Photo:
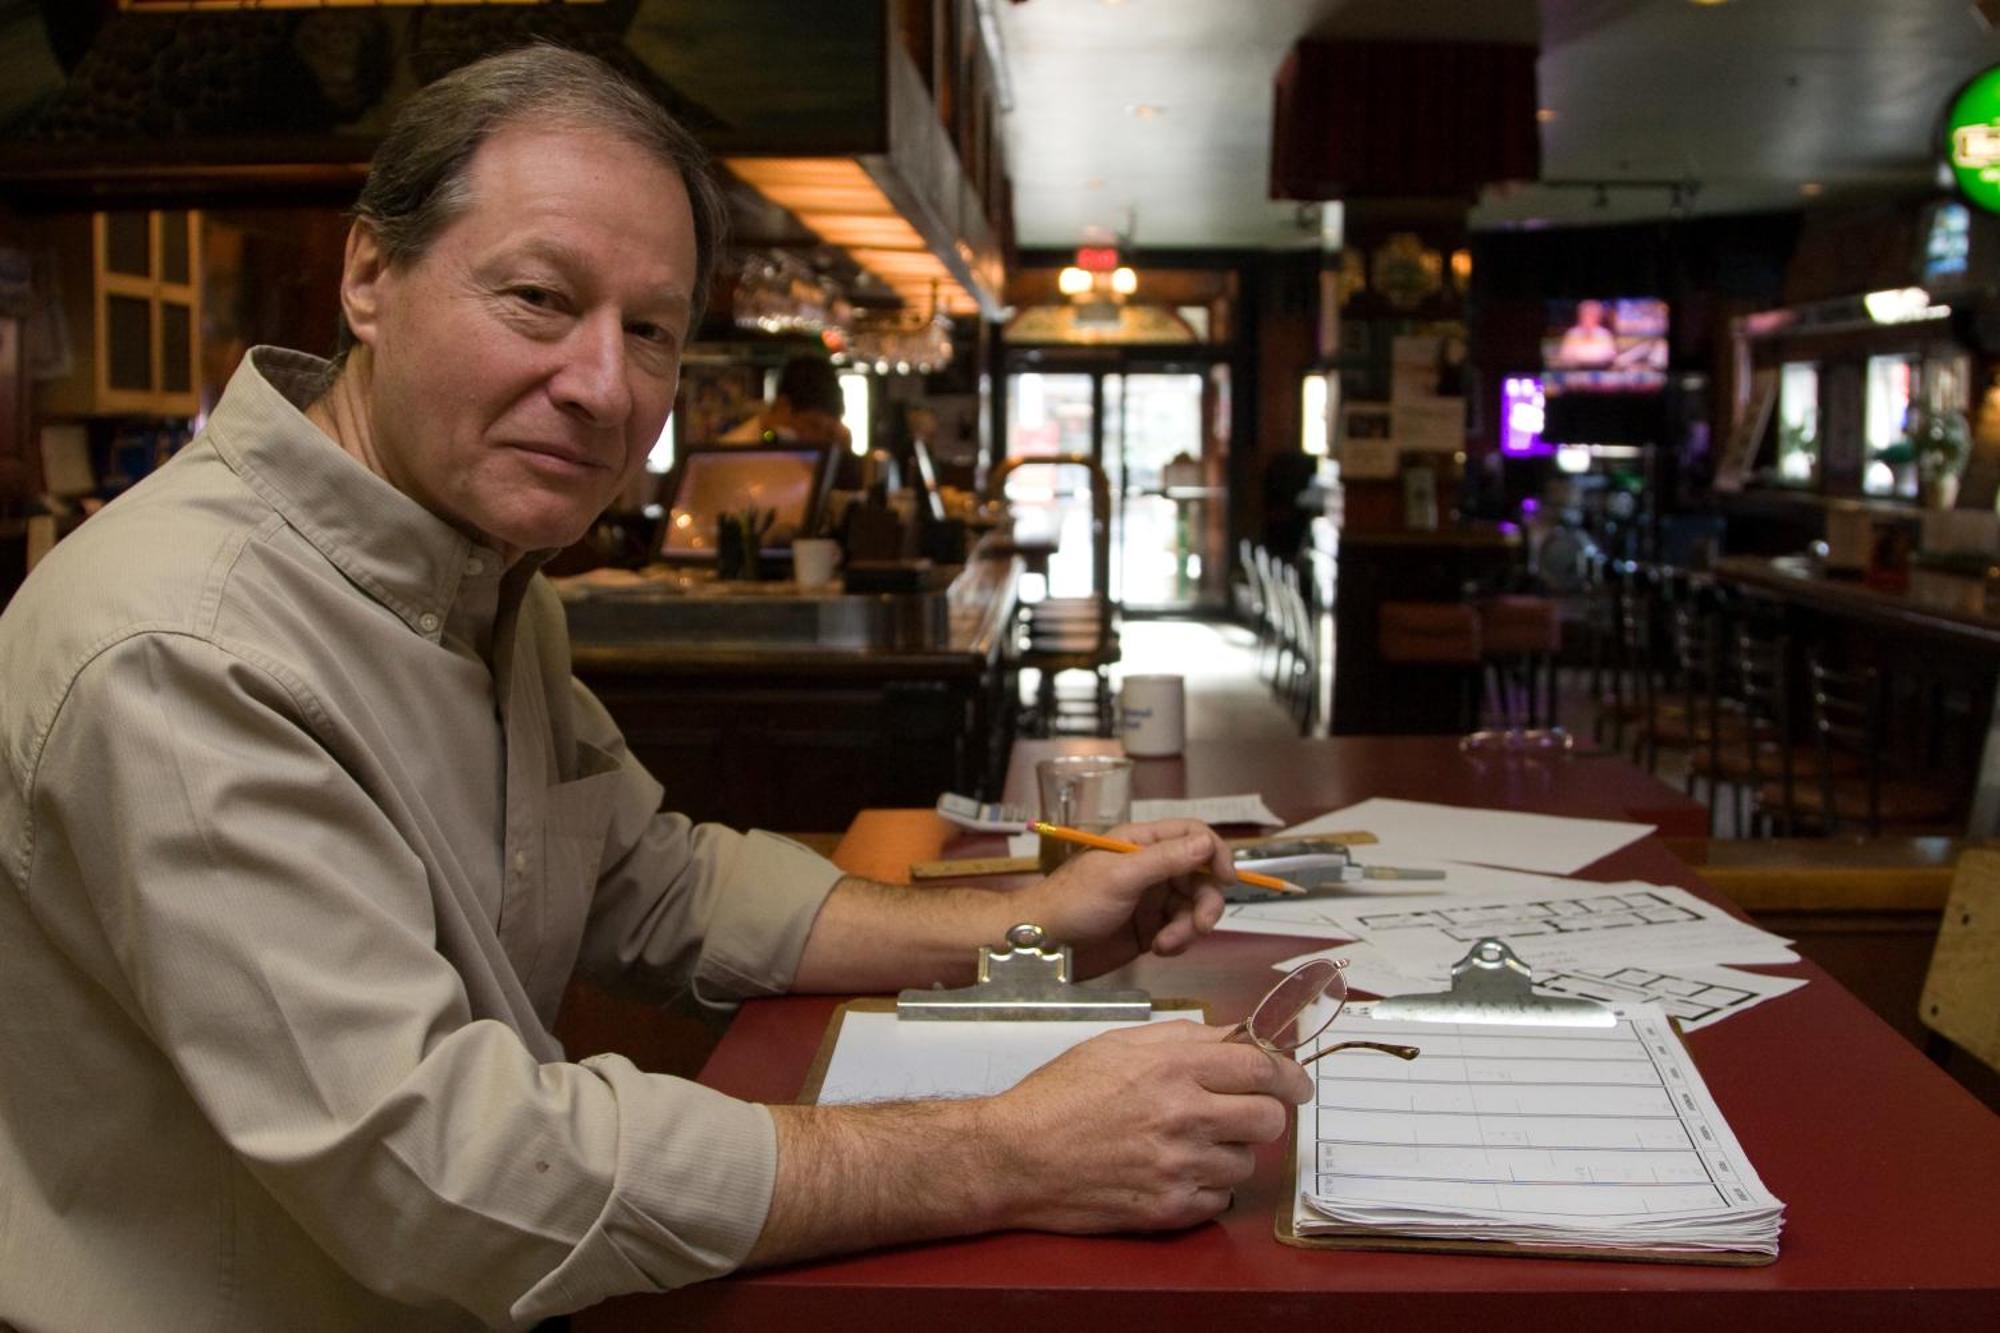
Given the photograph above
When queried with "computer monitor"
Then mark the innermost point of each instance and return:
(712, 480)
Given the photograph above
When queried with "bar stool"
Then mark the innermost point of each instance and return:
(1701, 718)
(1766, 766)
(1848, 706)
(1519, 639)
(1435, 636)
(1077, 635)
(1623, 668)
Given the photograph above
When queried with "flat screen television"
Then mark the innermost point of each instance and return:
(1605, 345)
(712, 480)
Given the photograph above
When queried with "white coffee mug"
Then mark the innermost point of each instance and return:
(814, 560)
(1153, 710)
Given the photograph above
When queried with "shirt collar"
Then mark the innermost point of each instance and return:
(407, 558)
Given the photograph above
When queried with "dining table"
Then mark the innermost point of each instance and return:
(1889, 1170)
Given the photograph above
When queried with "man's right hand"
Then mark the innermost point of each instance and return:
(1141, 1129)
(1144, 1128)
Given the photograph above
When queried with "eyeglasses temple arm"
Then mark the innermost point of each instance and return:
(1400, 1052)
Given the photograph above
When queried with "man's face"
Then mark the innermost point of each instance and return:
(524, 365)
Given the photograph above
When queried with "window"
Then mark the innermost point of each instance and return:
(1798, 423)
(1890, 467)
(854, 389)
(660, 458)
(1313, 415)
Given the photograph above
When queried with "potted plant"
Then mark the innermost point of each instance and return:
(1940, 440)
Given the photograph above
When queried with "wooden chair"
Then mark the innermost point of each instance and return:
(1299, 689)
(1961, 998)
(1519, 640)
(1441, 638)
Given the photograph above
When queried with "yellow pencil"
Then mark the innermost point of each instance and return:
(1104, 844)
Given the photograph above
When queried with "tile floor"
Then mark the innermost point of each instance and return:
(1225, 695)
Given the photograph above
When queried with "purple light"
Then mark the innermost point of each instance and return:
(1522, 410)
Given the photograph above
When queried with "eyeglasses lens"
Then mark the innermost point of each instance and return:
(1276, 1024)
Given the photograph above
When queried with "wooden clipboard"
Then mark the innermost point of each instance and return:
(1281, 1228)
(815, 1077)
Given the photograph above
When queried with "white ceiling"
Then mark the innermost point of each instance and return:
(1749, 100)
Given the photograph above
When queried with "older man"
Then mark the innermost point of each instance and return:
(304, 825)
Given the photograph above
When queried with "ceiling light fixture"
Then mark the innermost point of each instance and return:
(840, 203)
(1902, 305)
(1147, 110)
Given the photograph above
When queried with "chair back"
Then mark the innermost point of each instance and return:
(1961, 997)
(1763, 688)
(1847, 719)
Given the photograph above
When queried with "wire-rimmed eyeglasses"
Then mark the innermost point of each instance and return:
(1280, 1023)
(1529, 742)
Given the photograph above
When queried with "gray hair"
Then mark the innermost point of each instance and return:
(417, 182)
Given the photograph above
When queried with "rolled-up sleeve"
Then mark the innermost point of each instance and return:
(693, 907)
(250, 903)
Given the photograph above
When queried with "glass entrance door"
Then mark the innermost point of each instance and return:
(1153, 440)
(1048, 415)
(1146, 430)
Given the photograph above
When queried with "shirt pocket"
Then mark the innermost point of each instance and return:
(577, 819)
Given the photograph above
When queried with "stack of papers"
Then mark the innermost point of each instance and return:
(1624, 944)
(1580, 1138)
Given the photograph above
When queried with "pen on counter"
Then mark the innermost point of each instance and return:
(1104, 844)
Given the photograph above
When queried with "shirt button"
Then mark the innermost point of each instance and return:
(520, 863)
(429, 621)
(475, 566)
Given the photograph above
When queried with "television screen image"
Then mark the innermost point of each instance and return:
(721, 480)
(1606, 346)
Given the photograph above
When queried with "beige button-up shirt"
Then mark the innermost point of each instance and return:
(291, 880)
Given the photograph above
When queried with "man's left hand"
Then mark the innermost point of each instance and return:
(1112, 906)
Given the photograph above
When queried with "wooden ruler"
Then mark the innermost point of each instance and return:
(974, 867)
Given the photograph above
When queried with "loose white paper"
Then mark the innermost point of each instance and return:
(1551, 844)
(1248, 808)
(1583, 926)
(878, 1057)
(1692, 995)
(1585, 1137)
(1323, 915)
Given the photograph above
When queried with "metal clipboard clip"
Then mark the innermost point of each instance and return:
(1491, 985)
(1026, 979)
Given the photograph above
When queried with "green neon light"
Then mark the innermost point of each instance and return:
(1972, 140)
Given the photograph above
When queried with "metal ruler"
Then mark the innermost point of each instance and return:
(974, 867)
